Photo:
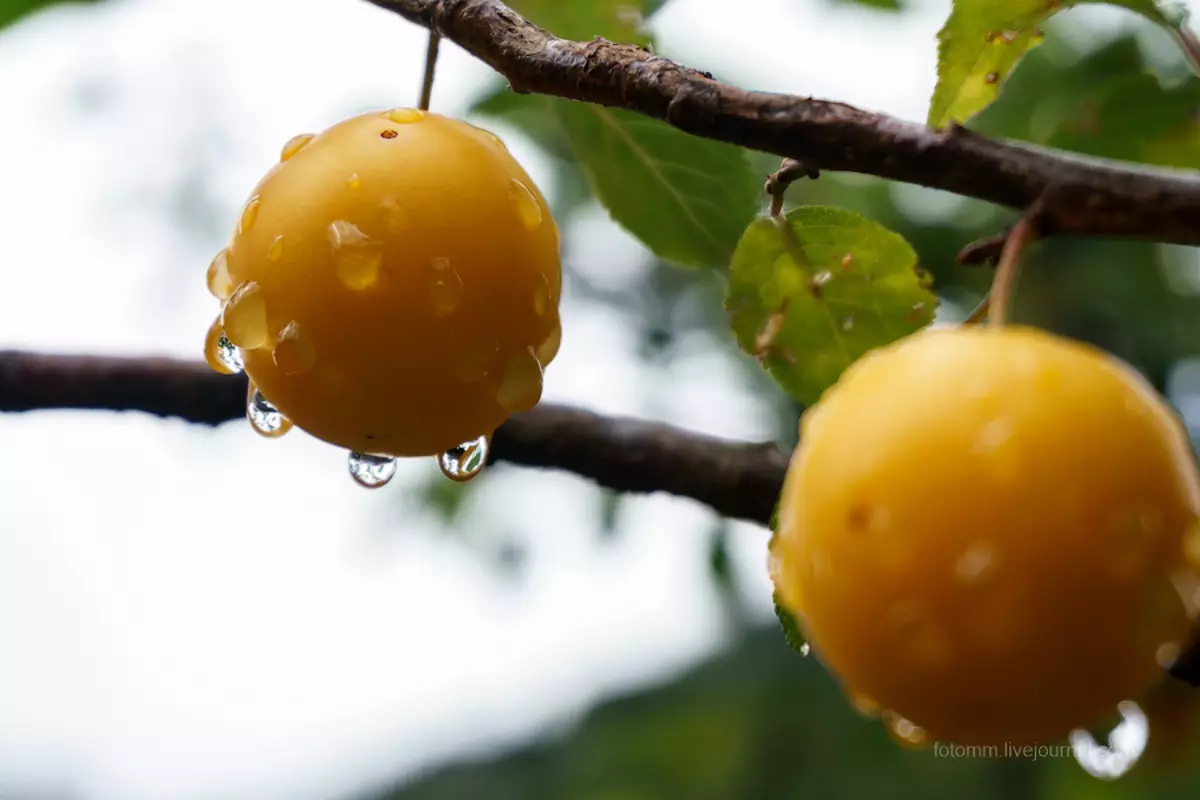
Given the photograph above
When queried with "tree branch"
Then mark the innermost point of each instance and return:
(1083, 196)
(738, 480)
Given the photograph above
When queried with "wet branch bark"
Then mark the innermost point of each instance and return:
(1083, 196)
(736, 479)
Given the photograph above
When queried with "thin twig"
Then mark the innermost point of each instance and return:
(1009, 268)
(431, 55)
(778, 182)
(1190, 45)
(985, 250)
(980, 313)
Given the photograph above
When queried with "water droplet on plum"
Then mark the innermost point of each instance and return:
(294, 145)
(264, 417)
(528, 208)
(220, 353)
(357, 257)
(294, 352)
(249, 215)
(220, 285)
(371, 472)
(464, 462)
(245, 317)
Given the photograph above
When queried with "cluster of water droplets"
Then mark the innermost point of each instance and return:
(242, 326)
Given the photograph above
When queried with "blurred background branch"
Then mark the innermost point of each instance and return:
(738, 480)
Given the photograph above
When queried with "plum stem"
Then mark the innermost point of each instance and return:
(1009, 268)
(431, 55)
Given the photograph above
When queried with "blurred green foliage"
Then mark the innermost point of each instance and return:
(758, 721)
(13, 10)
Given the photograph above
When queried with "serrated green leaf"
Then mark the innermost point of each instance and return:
(791, 631)
(687, 199)
(984, 40)
(811, 296)
(615, 20)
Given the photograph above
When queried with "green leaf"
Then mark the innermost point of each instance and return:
(13, 10)
(984, 40)
(533, 114)
(878, 5)
(615, 20)
(1136, 118)
(811, 296)
(686, 198)
(791, 630)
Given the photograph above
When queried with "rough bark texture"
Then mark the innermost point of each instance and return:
(737, 479)
(1082, 196)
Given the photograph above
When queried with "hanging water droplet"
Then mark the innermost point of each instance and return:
(1126, 743)
(294, 353)
(220, 285)
(548, 349)
(528, 208)
(220, 353)
(465, 461)
(805, 649)
(245, 317)
(264, 417)
(405, 116)
(294, 145)
(275, 251)
(249, 215)
(521, 386)
(357, 257)
(371, 472)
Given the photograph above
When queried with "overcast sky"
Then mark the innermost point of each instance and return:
(188, 613)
